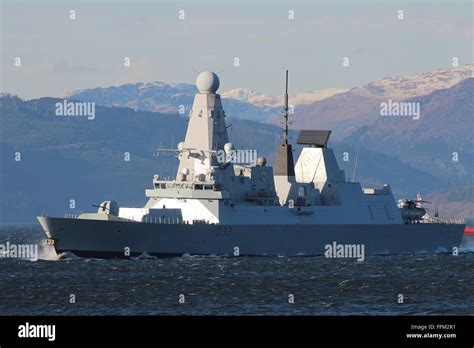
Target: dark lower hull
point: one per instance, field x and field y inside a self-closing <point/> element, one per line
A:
<point x="119" y="239"/>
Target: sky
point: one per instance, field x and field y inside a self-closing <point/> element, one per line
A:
<point x="59" y="54"/>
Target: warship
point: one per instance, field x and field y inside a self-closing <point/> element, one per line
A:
<point x="217" y="206"/>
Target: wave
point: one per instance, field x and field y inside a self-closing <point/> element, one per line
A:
<point x="144" y="256"/>
<point x="467" y="245"/>
<point x="47" y="253"/>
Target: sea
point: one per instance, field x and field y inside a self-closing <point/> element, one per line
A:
<point x="421" y="284"/>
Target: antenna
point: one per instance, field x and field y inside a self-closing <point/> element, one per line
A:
<point x="284" y="161"/>
<point x="172" y="146"/>
<point x="285" y="130"/>
<point x="355" y="164"/>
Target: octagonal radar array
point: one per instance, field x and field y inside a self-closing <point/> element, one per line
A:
<point x="207" y="82"/>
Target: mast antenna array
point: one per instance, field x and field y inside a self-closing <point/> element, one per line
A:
<point x="285" y="130"/>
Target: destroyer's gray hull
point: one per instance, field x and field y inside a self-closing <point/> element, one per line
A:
<point x="95" y="238"/>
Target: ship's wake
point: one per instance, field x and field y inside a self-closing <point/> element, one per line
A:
<point x="467" y="245"/>
<point x="144" y="256"/>
<point x="47" y="253"/>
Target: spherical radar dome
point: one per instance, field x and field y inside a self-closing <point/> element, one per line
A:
<point x="261" y="161"/>
<point x="207" y="82"/>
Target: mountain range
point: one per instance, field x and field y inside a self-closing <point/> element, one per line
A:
<point x="348" y="107"/>
<point x="441" y="141"/>
<point x="346" y="112"/>
<point x="163" y="98"/>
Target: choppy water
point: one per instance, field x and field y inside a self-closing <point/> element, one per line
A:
<point x="431" y="284"/>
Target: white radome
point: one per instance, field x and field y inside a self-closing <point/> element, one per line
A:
<point x="207" y="82"/>
<point x="228" y="147"/>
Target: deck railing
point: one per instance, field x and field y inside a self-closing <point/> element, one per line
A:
<point x="435" y="220"/>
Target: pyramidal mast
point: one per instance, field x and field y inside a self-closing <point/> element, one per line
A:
<point x="284" y="166"/>
<point x="206" y="134"/>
